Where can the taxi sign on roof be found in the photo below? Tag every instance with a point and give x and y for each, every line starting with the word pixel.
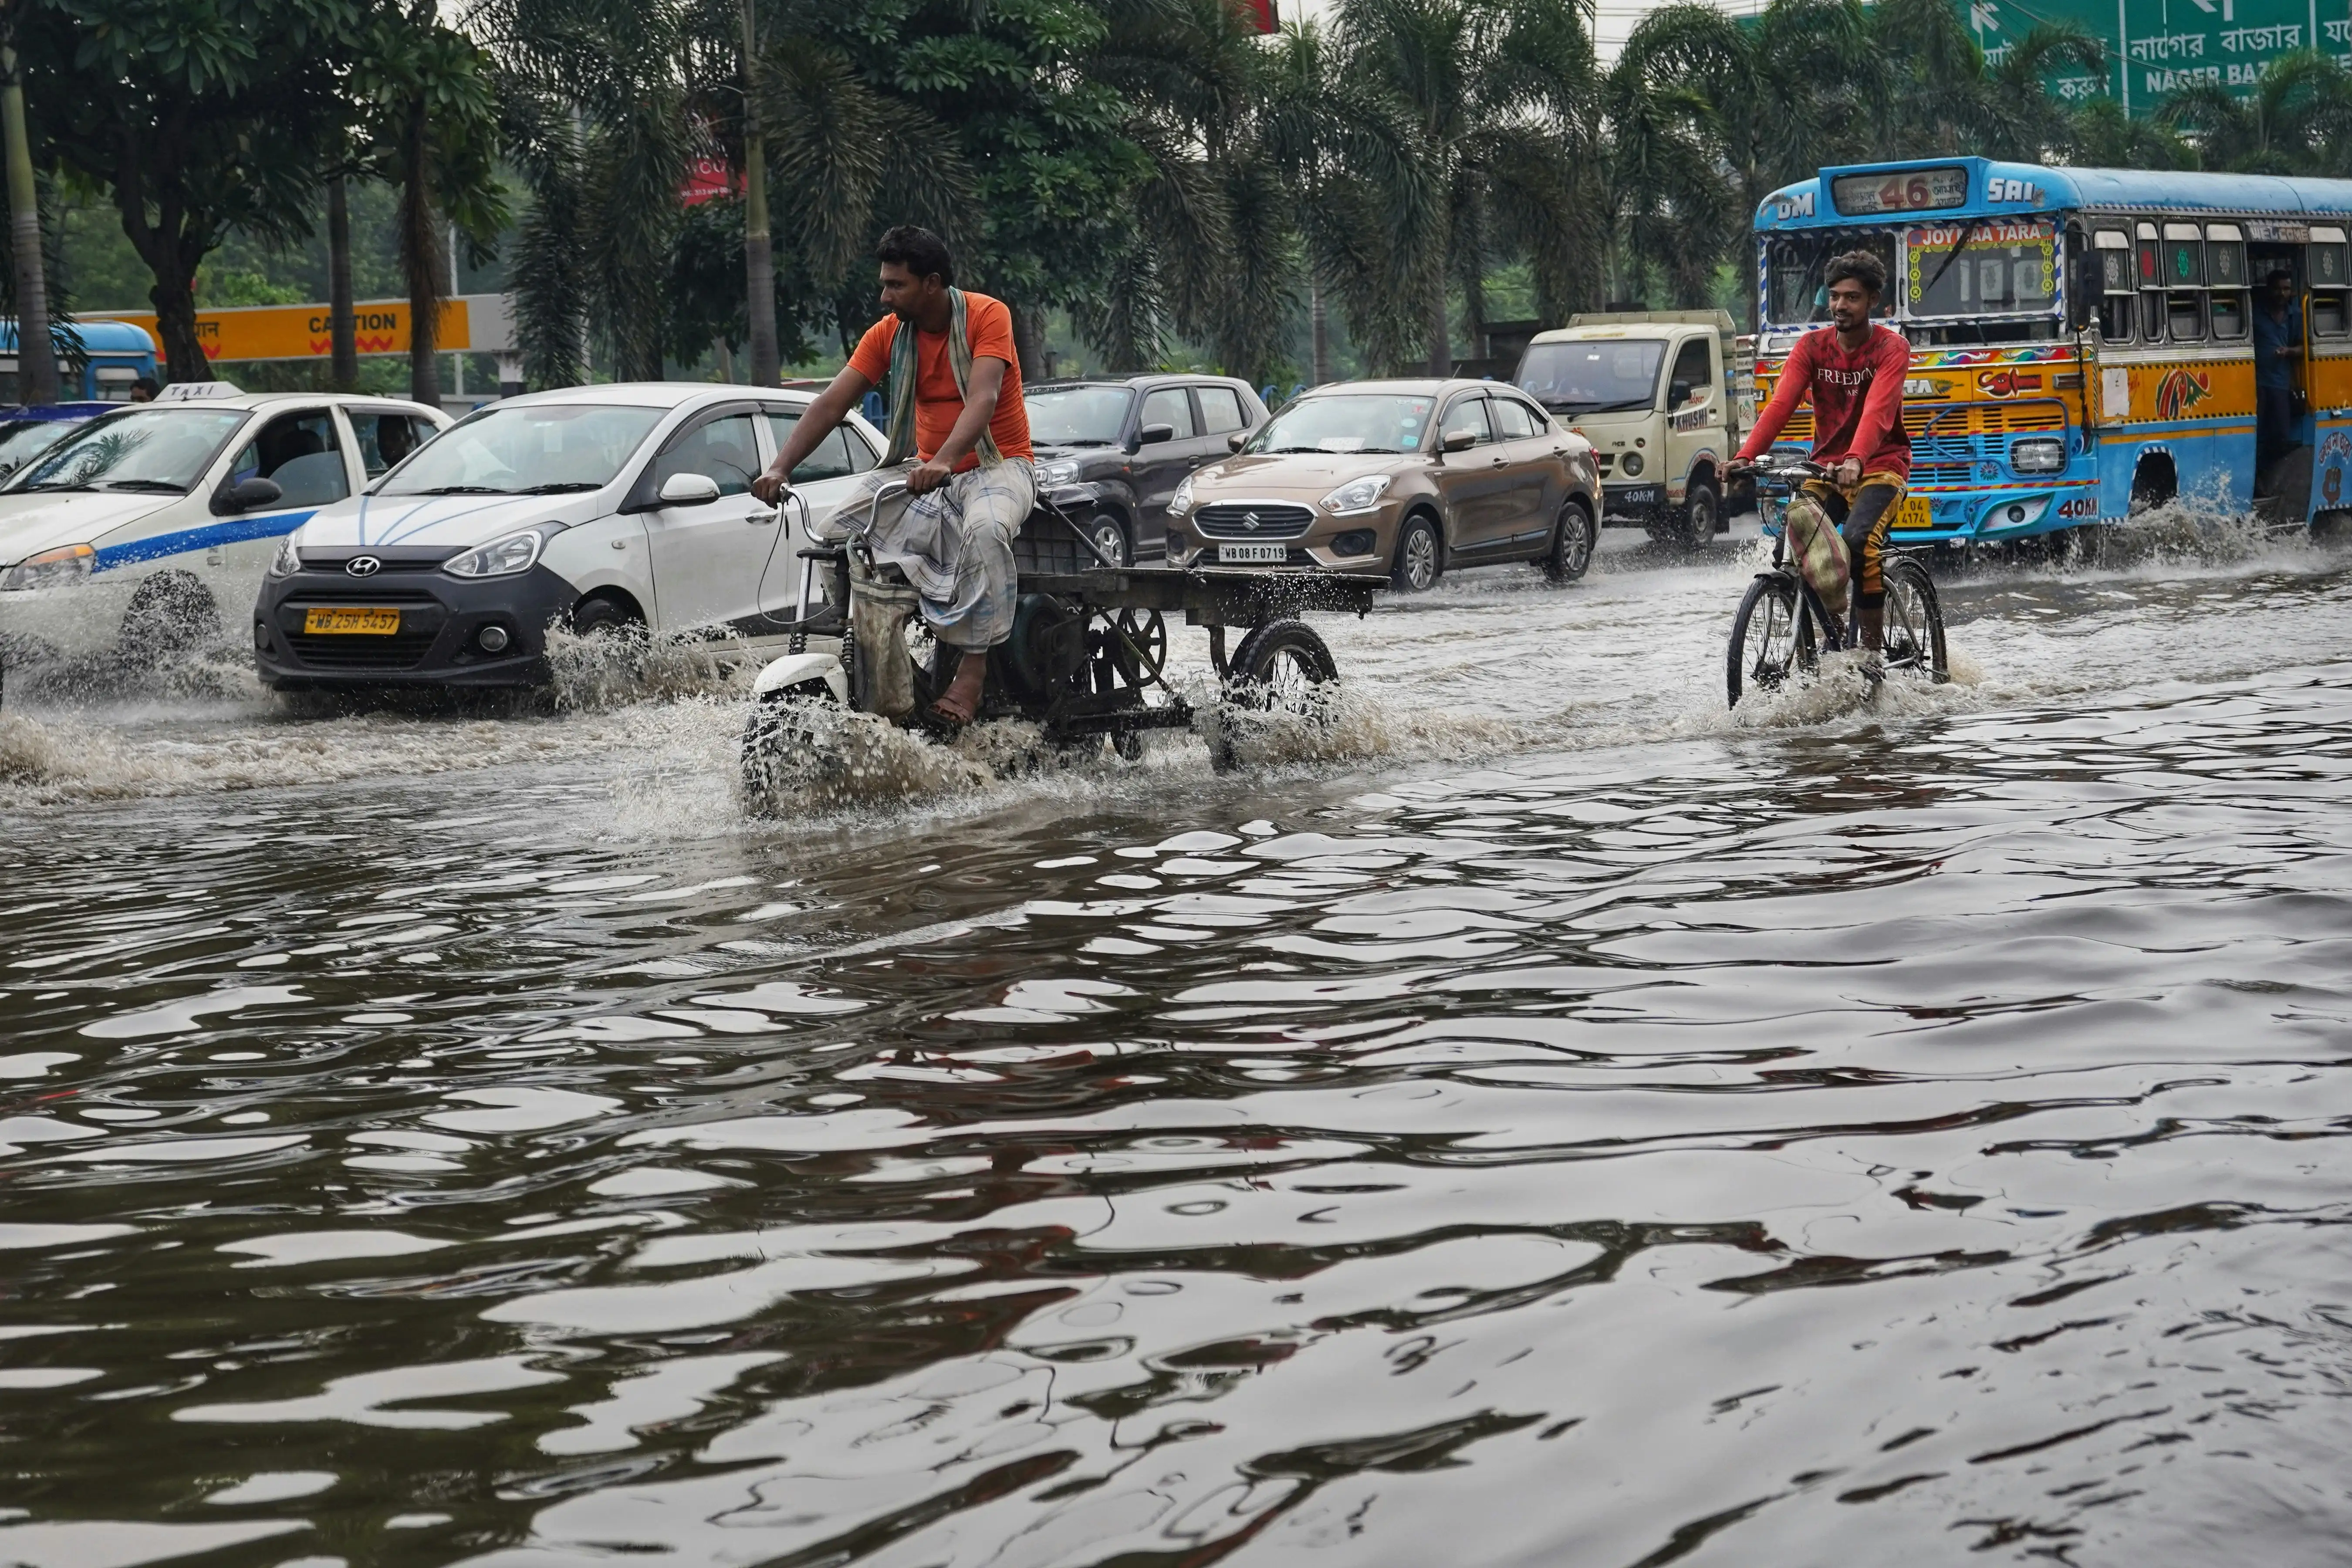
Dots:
pixel 197 391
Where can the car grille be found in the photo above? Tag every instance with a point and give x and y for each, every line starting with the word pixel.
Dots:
pixel 401 650
pixel 1253 520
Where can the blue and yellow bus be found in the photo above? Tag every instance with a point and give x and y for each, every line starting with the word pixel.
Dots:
pixel 2081 339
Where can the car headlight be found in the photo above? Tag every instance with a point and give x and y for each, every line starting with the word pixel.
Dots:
pixel 499 558
pixel 51 568
pixel 2044 456
pixel 1181 502
pixel 1630 464
pixel 1064 472
pixel 1357 495
pixel 288 561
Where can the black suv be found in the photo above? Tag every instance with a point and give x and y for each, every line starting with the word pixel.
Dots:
pixel 1110 452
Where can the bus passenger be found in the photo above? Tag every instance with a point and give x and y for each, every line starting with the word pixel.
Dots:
pixel 1852 372
pixel 2278 343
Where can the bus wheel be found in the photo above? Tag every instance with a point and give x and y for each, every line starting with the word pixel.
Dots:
pixel 2154 483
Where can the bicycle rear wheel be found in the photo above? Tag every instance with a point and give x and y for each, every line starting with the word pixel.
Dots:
pixel 1914 624
pixel 1771 639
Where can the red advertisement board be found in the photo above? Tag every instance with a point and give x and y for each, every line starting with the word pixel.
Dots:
pixel 1259 13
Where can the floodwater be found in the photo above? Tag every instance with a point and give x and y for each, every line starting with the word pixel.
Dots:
pixel 1534 1118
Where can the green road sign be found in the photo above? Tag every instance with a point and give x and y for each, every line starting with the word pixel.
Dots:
pixel 2156 46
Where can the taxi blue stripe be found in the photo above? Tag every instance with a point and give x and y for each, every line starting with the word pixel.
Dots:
pixel 237 530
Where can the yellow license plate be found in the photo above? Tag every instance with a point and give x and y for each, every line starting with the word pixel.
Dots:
pixel 350 623
pixel 1914 511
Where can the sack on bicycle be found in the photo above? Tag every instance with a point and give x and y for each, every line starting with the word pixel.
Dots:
pixel 1818 548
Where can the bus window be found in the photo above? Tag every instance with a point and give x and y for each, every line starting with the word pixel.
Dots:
pixel 2331 307
pixel 2115 284
pixel 2328 313
pixel 2151 315
pixel 2225 257
pixel 2184 255
pixel 2185 316
pixel 2228 308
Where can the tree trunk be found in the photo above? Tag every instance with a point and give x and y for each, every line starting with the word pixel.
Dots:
pixel 1029 342
pixel 1319 326
pixel 1441 330
pixel 36 360
pixel 342 325
pixel 175 323
pixel 420 258
pixel 759 262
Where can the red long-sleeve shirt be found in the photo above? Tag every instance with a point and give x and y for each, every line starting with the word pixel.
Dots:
pixel 1858 400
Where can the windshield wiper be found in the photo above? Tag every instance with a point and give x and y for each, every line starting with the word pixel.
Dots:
pixel 558 486
pixel 1568 408
pixel 458 490
pixel 1080 441
pixel 140 485
pixel 1968 236
pixel 73 485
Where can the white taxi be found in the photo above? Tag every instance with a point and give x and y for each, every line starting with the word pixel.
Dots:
pixel 593 508
pixel 144 523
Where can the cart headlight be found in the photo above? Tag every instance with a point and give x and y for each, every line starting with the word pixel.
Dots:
pixel 1357 495
pixel 1064 472
pixel 51 568
pixel 1181 502
pixel 1630 464
pixel 2044 457
pixel 288 561
pixel 499 558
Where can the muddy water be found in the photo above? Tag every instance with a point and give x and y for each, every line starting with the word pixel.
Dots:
pixel 1536 1117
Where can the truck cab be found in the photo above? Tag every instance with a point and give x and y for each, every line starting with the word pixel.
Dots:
pixel 1652 390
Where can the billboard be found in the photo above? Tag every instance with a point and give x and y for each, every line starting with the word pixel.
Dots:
pixel 1259 13
pixel 2155 47
pixel 468 323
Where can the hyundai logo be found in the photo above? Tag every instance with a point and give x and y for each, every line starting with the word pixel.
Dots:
pixel 1249 520
pixel 363 566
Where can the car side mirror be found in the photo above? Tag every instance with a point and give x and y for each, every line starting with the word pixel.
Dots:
pixel 1237 440
pixel 1459 440
pixel 1678 393
pixel 250 495
pixel 1154 435
pixel 689 489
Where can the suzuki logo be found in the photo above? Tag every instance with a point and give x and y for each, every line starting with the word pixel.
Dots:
pixel 363 566
pixel 1249 520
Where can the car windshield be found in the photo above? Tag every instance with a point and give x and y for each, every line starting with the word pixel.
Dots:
pixel 146 448
pixel 34 435
pixel 1588 377
pixel 1077 416
pixel 526 450
pixel 1349 422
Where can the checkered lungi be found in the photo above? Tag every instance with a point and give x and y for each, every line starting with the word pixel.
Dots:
pixel 954 544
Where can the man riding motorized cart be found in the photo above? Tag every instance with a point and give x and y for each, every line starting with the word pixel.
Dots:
pixel 1024 613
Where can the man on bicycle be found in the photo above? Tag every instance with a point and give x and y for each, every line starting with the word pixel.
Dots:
pixel 1852 370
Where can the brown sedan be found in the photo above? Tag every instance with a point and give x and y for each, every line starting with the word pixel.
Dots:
pixel 1407 478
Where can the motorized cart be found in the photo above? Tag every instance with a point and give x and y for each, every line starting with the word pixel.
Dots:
pixel 1088 657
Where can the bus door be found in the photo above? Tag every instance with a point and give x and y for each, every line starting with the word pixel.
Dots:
pixel 2327 367
pixel 2283 423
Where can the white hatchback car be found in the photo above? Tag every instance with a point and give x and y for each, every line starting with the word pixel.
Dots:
pixel 171 511
pixel 591 507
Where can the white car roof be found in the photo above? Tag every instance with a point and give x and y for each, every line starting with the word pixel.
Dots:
pixel 250 400
pixel 658 393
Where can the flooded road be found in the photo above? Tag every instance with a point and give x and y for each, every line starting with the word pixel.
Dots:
pixel 1540 1119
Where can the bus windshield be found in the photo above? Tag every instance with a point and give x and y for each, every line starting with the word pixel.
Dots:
pixel 1795 295
pixel 1989 267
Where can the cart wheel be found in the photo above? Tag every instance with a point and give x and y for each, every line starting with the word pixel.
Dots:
pixel 1129 744
pixel 1279 665
pixel 1141 636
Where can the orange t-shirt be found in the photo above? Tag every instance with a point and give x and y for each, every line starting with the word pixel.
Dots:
pixel 938 405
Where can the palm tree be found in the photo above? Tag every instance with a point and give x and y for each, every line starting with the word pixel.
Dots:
pixel 1670 196
pixel 2297 120
pixel 1500 98
pixel 37 375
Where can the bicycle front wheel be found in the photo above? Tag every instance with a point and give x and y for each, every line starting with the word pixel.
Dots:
pixel 1771 639
pixel 1914 624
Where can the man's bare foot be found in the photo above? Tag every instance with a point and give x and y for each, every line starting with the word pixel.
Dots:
pixel 960 701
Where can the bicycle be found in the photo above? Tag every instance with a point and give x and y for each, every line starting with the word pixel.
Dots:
pixel 1782 628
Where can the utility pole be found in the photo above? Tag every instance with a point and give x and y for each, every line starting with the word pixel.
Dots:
pixel 759 260
pixel 36 360
pixel 343 327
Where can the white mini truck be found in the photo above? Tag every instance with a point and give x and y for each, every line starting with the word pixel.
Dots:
pixel 593 508
pixel 1652 390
